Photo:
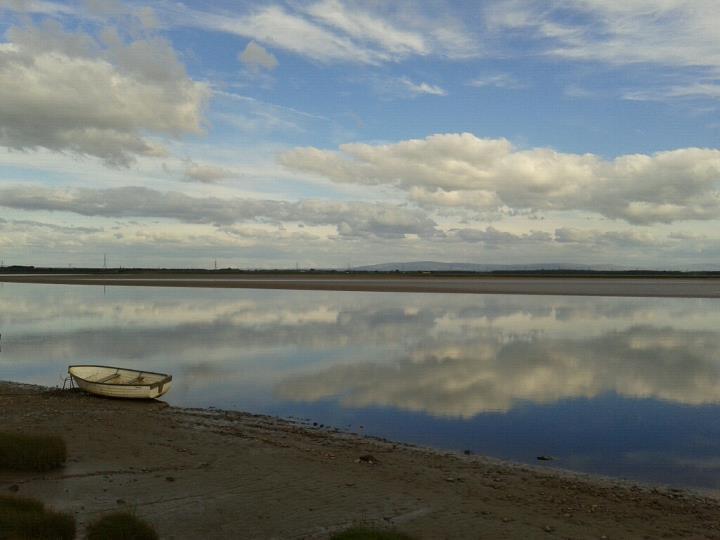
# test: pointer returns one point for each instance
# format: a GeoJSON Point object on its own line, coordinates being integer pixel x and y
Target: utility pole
{"type": "Point", "coordinates": [215, 264]}
{"type": "Point", "coordinates": [105, 261]}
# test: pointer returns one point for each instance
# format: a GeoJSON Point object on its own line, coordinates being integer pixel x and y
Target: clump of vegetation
{"type": "Point", "coordinates": [29, 519]}
{"type": "Point", "coordinates": [121, 526]}
{"type": "Point", "coordinates": [364, 533]}
{"type": "Point", "coordinates": [31, 452]}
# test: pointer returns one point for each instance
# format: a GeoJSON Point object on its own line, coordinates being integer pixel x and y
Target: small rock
{"type": "Point", "coordinates": [14, 488]}
{"type": "Point", "coordinates": [367, 458]}
{"type": "Point", "coordinates": [120, 501]}
{"type": "Point", "coordinates": [169, 478]}
{"type": "Point", "coordinates": [548, 528]}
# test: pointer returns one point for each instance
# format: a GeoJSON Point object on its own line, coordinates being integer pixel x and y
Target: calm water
{"type": "Point", "coordinates": [617, 386]}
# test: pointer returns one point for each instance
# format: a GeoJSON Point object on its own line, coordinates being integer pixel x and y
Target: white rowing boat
{"type": "Point", "coordinates": [120, 382]}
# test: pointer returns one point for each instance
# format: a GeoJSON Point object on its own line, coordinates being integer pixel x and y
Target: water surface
{"type": "Point", "coordinates": [628, 387]}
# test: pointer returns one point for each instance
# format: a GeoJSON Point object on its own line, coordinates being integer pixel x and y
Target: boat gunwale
{"type": "Point", "coordinates": [167, 378]}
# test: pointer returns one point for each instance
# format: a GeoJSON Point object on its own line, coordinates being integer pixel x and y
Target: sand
{"type": "Point", "coordinates": [581, 286]}
{"type": "Point", "coordinates": [218, 474]}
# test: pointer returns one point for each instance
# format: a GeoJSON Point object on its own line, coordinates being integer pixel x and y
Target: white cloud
{"type": "Point", "coordinates": [498, 80]}
{"type": "Point", "coordinates": [401, 87]}
{"type": "Point", "coordinates": [276, 27]}
{"type": "Point", "coordinates": [679, 35]}
{"type": "Point", "coordinates": [492, 237]}
{"type": "Point", "coordinates": [619, 239]}
{"type": "Point", "coordinates": [351, 219]}
{"type": "Point", "coordinates": [67, 91]}
{"type": "Point", "coordinates": [205, 173]}
{"type": "Point", "coordinates": [330, 31]}
{"type": "Point", "coordinates": [490, 174]}
{"type": "Point", "coordinates": [256, 56]}
{"type": "Point", "coordinates": [698, 89]}
{"type": "Point", "coordinates": [422, 88]}
{"type": "Point", "coordinates": [35, 6]}
{"type": "Point", "coordinates": [670, 32]}
{"type": "Point", "coordinates": [147, 17]}
{"type": "Point", "coordinates": [368, 27]}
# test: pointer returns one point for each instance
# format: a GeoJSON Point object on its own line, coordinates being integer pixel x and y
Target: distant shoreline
{"type": "Point", "coordinates": [601, 284]}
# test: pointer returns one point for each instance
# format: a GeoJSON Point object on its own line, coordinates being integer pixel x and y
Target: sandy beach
{"type": "Point", "coordinates": [218, 474]}
{"type": "Point", "coordinates": [567, 285]}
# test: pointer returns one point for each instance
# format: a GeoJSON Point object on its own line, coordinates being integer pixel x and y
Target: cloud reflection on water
{"type": "Point", "coordinates": [444, 355]}
{"type": "Point", "coordinates": [494, 371]}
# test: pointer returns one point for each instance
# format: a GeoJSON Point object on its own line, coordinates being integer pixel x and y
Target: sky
{"type": "Point", "coordinates": [324, 133]}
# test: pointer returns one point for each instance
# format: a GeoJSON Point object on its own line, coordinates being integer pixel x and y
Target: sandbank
{"type": "Point", "coordinates": [566, 285]}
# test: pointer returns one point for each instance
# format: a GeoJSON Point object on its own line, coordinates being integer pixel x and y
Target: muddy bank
{"type": "Point", "coordinates": [576, 286]}
{"type": "Point", "coordinates": [218, 474]}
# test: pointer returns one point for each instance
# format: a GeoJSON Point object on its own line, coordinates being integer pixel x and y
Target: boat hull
{"type": "Point", "coordinates": [118, 382]}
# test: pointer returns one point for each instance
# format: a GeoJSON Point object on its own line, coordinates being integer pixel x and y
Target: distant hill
{"type": "Point", "coordinates": [433, 266]}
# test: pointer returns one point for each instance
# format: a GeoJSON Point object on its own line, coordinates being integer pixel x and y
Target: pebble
{"type": "Point", "coordinates": [367, 458]}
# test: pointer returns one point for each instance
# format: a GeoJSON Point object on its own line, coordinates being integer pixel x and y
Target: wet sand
{"type": "Point", "coordinates": [581, 286]}
{"type": "Point", "coordinates": [217, 474]}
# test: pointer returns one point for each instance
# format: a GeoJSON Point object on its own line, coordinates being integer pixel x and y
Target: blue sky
{"type": "Point", "coordinates": [327, 133]}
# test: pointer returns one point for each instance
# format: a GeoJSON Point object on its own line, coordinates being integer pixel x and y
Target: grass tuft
{"type": "Point", "coordinates": [364, 533]}
{"type": "Point", "coordinates": [28, 519]}
{"type": "Point", "coordinates": [31, 452]}
{"type": "Point", "coordinates": [120, 526]}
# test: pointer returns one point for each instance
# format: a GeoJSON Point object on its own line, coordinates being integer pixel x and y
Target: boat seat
{"type": "Point", "coordinates": [137, 379]}
{"type": "Point", "coordinates": [107, 378]}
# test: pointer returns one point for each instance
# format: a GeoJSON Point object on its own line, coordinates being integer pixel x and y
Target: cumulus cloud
{"type": "Point", "coordinates": [68, 91]}
{"type": "Point", "coordinates": [351, 219]}
{"type": "Point", "coordinates": [206, 174]}
{"type": "Point", "coordinates": [256, 56]}
{"type": "Point", "coordinates": [491, 174]}
{"type": "Point", "coordinates": [493, 237]}
{"type": "Point", "coordinates": [589, 238]}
